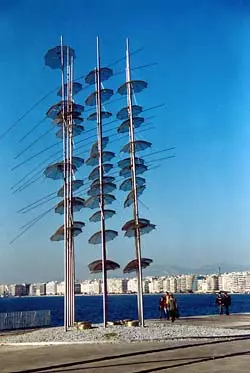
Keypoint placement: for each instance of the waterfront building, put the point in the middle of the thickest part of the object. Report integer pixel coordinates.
(77, 288)
(173, 284)
(2, 289)
(166, 285)
(201, 284)
(117, 285)
(37, 289)
(91, 287)
(132, 285)
(60, 288)
(17, 290)
(212, 283)
(51, 288)
(155, 285)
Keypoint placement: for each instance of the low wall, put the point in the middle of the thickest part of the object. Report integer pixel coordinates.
(24, 320)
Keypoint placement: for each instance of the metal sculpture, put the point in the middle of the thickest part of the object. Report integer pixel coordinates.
(130, 168)
(66, 115)
(102, 185)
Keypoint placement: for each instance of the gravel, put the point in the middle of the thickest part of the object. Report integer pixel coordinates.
(113, 334)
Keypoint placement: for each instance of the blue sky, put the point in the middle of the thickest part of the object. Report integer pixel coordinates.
(199, 200)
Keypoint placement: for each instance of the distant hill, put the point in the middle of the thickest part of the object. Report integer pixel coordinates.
(163, 270)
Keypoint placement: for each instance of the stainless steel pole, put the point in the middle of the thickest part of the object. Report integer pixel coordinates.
(101, 201)
(65, 192)
(134, 188)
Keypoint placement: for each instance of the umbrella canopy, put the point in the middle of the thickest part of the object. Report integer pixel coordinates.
(105, 73)
(124, 126)
(96, 266)
(104, 115)
(123, 113)
(126, 185)
(106, 94)
(77, 87)
(53, 57)
(131, 224)
(140, 169)
(107, 188)
(76, 131)
(57, 109)
(133, 265)
(130, 197)
(97, 215)
(106, 179)
(136, 86)
(95, 172)
(93, 160)
(96, 238)
(59, 234)
(94, 201)
(94, 148)
(76, 184)
(56, 170)
(127, 162)
(77, 205)
(144, 225)
(139, 145)
(76, 118)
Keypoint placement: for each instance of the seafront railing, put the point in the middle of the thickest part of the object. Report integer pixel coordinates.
(24, 319)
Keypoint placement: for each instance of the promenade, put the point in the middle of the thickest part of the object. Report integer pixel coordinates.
(182, 355)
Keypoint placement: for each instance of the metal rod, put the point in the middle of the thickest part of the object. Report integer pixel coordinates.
(133, 176)
(100, 152)
(65, 192)
(71, 194)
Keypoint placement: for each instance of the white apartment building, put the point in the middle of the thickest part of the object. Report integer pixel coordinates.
(51, 288)
(37, 289)
(173, 284)
(212, 283)
(117, 285)
(60, 288)
(132, 285)
(155, 285)
(2, 289)
(91, 287)
(166, 285)
(201, 284)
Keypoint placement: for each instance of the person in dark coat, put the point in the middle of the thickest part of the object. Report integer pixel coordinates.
(162, 307)
(227, 302)
(219, 302)
(172, 307)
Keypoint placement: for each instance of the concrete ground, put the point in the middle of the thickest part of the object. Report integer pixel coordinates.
(200, 355)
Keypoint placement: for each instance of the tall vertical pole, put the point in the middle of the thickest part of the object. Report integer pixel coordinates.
(65, 193)
(134, 188)
(72, 247)
(100, 153)
(68, 198)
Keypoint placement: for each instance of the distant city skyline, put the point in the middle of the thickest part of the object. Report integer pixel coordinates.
(233, 282)
(199, 200)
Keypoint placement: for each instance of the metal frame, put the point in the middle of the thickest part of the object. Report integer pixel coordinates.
(134, 188)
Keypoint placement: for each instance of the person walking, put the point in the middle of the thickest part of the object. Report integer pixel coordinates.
(227, 302)
(162, 307)
(219, 302)
(167, 305)
(172, 307)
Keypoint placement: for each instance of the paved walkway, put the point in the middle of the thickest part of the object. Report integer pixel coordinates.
(181, 357)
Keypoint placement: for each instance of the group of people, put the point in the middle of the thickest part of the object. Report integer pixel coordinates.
(168, 307)
(223, 300)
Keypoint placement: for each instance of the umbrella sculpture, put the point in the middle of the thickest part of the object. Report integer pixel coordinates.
(102, 185)
(130, 168)
(66, 116)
